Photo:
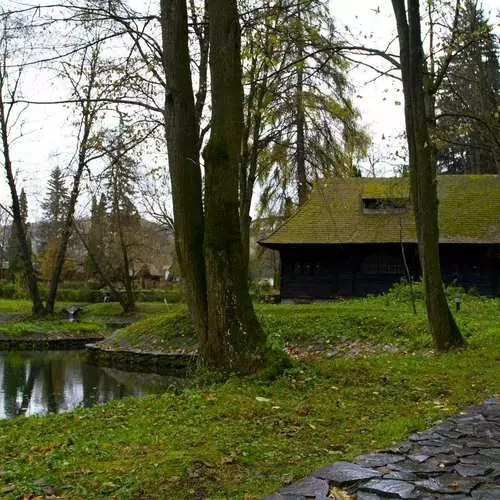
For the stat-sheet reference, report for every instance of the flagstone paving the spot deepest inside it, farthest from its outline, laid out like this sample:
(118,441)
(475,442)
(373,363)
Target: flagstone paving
(458,458)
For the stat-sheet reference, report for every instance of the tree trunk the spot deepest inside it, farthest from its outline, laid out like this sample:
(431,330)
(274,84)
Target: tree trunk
(20,229)
(235,339)
(300,154)
(99,270)
(183,159)
(66,230)
(127,279)
(423,182)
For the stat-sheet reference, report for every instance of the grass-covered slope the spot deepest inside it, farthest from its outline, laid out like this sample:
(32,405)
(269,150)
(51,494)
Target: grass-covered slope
(166,332)
(383,323)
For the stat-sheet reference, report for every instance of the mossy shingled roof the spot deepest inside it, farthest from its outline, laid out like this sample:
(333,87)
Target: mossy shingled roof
(469,212)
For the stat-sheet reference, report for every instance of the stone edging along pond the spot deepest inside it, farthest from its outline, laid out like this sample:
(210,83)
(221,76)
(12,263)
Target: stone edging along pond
(163,363)
(52,341)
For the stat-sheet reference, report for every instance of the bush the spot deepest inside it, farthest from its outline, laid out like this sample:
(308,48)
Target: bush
(402,292)
(172,294)
(8,290)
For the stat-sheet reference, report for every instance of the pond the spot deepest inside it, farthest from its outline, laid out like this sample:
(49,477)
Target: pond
(41,382)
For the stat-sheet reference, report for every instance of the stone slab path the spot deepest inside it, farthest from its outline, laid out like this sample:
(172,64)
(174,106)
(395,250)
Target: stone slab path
(458,458)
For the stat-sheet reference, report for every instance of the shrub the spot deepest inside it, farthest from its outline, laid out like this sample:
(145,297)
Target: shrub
(8,290)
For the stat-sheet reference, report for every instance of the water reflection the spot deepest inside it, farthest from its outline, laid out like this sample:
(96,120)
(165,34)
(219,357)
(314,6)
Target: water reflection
(40,382)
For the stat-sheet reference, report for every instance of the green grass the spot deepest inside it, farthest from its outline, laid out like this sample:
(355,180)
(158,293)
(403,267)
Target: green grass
(52,326)
(170,331)
(245,437)
(384,321)
(22,306)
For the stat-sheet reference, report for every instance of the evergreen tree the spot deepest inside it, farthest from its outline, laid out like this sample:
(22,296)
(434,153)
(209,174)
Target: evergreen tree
(54,208)
(56,199)
(469,127)
(119,180)
(307,120)
(300,123)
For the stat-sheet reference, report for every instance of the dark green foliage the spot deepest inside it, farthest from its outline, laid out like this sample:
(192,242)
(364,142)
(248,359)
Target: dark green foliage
(56,200)
(469,128)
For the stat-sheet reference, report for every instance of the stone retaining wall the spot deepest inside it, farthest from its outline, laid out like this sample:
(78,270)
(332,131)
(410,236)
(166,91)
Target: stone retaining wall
(141,361)
(47,342)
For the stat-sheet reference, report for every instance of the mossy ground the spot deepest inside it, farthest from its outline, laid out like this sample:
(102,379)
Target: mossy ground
(244,437)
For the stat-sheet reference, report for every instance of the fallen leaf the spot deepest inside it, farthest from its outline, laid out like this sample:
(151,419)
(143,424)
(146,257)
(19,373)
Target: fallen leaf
(46,448)
(339,494)
(260,399)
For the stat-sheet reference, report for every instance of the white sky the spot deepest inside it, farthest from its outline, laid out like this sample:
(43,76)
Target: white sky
(48,136)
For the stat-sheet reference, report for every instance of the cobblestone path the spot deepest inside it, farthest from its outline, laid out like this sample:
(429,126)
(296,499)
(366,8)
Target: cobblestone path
(458,458)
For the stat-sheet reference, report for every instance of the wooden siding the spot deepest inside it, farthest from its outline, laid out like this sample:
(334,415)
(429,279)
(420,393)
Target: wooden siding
(325,272)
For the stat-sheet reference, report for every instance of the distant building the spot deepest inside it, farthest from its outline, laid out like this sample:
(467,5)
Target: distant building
(348,239)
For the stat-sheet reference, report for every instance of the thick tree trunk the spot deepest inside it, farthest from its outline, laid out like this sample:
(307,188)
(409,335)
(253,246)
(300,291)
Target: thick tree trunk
(183,159)
(18,222)
(423,182)
(235,339)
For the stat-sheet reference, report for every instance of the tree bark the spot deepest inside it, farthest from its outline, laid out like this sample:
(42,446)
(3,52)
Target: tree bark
(235,339)
(183,159)
(300,154)
(423,181)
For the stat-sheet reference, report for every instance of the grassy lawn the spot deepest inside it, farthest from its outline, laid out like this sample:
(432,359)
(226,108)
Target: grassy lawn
(93,317)
(245,437)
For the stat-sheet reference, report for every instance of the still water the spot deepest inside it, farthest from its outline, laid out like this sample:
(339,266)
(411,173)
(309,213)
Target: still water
(40,382)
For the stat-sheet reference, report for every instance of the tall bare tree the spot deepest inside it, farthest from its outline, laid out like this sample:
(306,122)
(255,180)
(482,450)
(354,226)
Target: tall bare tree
(419,92)
(10,80)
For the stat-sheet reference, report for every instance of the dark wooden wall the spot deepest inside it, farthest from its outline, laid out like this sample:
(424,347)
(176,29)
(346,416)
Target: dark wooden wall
(330,271)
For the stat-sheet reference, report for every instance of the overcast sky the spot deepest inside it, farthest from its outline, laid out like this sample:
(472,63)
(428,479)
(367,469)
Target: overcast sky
(47,133)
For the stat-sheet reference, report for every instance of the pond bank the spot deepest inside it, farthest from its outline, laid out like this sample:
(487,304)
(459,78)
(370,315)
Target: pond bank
(50,341)
(131,359)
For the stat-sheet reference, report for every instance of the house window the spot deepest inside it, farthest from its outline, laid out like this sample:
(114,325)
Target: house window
(306,269)
(385,205)
(382,264)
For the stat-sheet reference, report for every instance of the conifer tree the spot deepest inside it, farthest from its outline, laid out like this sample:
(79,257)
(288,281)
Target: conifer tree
(469,123)
(56,199)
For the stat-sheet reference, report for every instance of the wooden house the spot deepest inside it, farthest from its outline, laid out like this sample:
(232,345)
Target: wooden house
(353,236)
